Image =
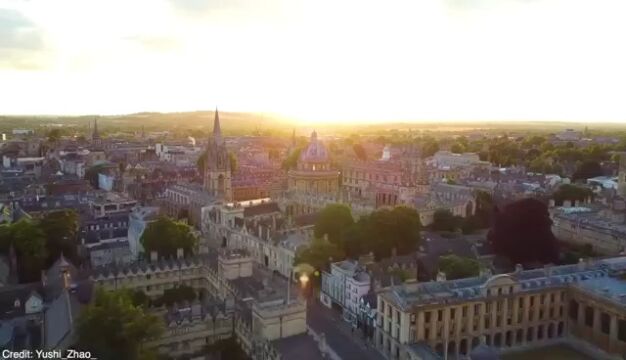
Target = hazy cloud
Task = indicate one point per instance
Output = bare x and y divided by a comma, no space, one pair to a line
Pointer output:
21,42
155,43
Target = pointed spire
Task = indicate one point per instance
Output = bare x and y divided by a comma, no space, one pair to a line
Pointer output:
293,137
217,131
95,135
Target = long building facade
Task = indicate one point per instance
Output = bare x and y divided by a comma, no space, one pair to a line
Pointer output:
508,312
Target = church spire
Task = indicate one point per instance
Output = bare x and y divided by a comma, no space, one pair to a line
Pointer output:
217,130
95,135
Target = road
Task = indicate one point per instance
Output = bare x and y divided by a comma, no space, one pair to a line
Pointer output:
339,336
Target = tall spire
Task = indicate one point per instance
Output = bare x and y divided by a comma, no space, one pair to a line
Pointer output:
217,131
95,135
293,137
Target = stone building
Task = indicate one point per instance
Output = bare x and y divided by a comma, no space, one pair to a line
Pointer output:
581,303
217,174
314,174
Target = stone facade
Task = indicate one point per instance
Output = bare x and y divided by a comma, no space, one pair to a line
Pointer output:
521,309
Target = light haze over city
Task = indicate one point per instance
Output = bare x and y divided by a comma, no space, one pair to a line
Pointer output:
340,61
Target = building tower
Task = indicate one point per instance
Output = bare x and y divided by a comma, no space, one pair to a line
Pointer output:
217,173
95,135
621,180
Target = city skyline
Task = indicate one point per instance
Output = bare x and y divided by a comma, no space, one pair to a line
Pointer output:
349,62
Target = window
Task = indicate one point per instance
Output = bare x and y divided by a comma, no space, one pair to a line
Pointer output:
589,316
573,309
605,323
440,315
621,330
427,316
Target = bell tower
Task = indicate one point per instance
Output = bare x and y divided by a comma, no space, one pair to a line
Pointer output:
217,173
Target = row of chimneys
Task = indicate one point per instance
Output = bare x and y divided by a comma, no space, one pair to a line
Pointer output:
154,256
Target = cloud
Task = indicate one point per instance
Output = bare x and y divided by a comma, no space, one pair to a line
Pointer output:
155,43
22,43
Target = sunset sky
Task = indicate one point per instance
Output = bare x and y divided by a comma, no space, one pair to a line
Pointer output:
346,60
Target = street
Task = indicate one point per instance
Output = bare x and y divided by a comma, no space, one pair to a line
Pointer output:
339,336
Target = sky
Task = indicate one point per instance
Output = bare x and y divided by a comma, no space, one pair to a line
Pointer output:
318,60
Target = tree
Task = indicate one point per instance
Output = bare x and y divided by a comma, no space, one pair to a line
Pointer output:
234,163
165,236
522,233
60,228
429,148
360,152
177,294
387,229
29,243
333,220
226,349
201,162
484,208
54,135
319,254
587,169
115,328
457,148
292,159
91,174
572,193
456,267
444,220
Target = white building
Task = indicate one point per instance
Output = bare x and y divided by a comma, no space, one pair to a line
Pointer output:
346,283
138,221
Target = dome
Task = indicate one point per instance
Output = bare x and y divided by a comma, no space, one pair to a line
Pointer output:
315,152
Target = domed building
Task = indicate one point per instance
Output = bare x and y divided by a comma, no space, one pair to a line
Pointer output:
313,173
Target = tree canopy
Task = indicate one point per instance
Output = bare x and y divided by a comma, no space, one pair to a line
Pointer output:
587,170
292,159
457,267
165,236
319,254
333,221
444,220
114,328
360,152
29,242
61,229
572,193
522,233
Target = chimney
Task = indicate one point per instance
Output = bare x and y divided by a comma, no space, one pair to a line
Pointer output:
547,269
551,203
154,256
180,253
581,264
441,276
518,268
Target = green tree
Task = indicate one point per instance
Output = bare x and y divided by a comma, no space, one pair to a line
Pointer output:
61,228
115,328
360,152
333,220
572,193
444,220
176,295
29,243
387,229
319,254
91,174
226,349
587,170
201,162
54,135
456,267
292,159
457,148
234,162
165,236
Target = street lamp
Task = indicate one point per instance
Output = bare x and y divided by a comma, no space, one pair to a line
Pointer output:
304,279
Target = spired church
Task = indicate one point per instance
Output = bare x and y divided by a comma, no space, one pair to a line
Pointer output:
217,172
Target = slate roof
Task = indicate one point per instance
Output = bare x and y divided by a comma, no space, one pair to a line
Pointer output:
261,209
